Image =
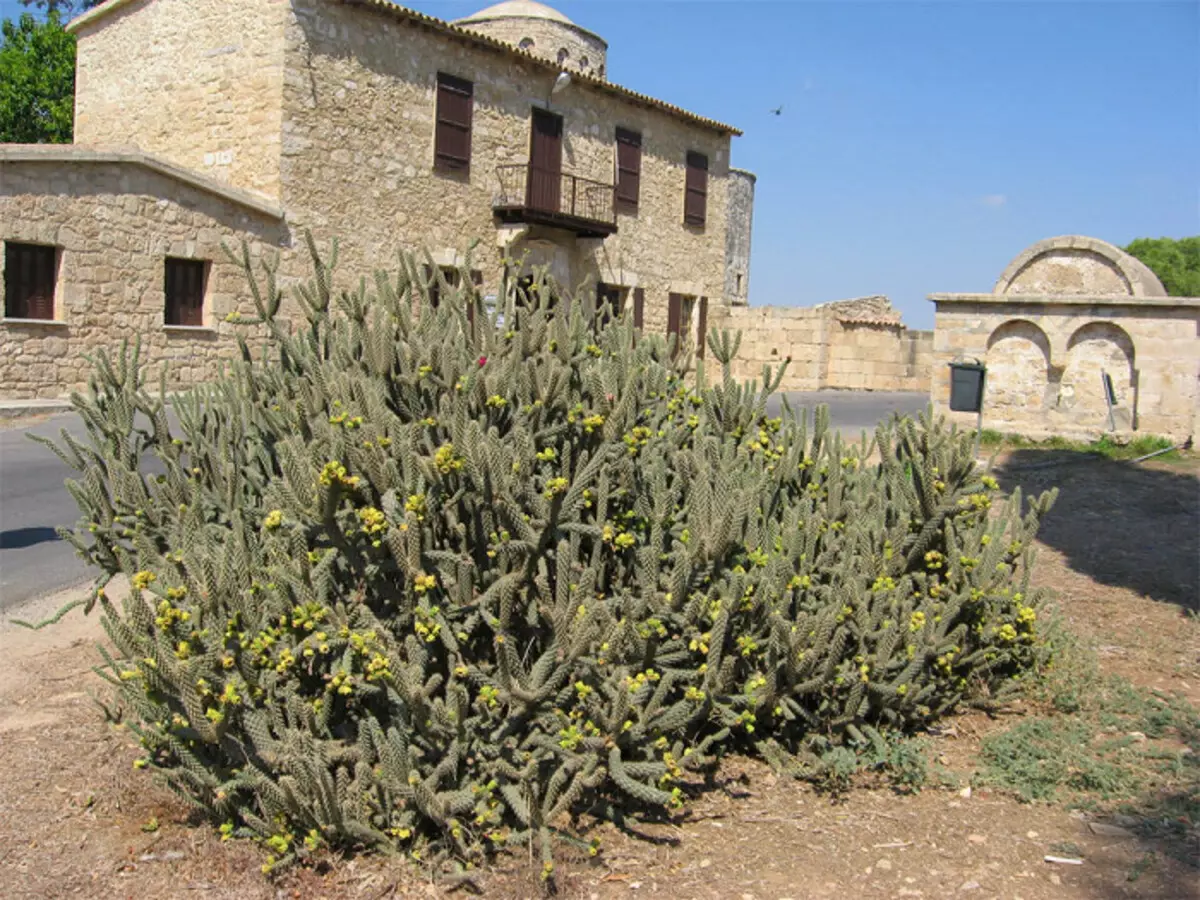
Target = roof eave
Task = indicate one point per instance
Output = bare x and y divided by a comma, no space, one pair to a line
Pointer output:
483,40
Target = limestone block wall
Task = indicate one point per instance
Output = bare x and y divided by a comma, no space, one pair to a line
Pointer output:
878,357
359,100
1045,354
196,81
114,224
770,334
829,352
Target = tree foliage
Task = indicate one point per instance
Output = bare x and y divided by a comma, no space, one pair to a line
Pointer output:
1175,262
37,81
438,578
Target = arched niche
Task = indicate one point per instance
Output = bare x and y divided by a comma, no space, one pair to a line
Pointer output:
1018,368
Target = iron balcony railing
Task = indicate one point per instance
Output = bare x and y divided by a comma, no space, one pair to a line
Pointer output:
530,194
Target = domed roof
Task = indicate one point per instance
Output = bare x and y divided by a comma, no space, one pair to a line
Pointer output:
516,9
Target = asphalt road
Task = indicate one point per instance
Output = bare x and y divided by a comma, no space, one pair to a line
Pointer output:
33,501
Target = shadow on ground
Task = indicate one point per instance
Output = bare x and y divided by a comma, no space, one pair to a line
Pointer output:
20,538
1123,524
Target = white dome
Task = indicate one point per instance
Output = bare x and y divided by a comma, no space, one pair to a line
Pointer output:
516,9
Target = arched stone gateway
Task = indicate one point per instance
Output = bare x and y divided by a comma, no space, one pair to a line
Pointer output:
1064,313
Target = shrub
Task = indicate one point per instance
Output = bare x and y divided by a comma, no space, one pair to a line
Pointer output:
436,578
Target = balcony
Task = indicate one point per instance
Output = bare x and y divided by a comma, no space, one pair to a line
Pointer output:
541,197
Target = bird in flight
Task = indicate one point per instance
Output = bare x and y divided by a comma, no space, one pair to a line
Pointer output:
778,110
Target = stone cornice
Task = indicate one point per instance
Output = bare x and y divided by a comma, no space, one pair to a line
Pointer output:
70,153
1121,300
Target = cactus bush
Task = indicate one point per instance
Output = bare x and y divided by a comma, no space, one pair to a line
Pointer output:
434,579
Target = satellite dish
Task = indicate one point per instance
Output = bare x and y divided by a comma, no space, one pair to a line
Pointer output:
563,79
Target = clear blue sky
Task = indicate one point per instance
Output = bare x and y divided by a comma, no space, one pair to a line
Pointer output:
923,145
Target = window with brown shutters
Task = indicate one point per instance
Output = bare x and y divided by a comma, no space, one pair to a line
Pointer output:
452,139
639,307
695,204
702,327
30,274
451,276
629,169
183,287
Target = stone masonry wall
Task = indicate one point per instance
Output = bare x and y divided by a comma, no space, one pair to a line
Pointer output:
359,100
114,225
876,357
828,353
196,81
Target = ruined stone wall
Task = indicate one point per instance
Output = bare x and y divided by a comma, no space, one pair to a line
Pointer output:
113,225
358,159
196,81
827,352
1045,355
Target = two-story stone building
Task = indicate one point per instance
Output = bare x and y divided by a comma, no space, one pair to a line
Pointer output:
199,122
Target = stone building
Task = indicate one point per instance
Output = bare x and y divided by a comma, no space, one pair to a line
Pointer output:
202,122
1065,313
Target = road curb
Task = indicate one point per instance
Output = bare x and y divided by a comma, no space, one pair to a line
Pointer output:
18,409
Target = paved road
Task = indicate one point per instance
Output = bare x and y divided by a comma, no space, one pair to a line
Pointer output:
33,501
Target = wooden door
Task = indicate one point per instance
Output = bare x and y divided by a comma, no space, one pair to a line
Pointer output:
544,185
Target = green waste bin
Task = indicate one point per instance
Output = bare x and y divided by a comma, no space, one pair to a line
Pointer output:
966,386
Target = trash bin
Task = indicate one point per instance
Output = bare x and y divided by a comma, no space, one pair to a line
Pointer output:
966,386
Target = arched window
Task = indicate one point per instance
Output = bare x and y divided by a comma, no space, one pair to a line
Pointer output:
526,43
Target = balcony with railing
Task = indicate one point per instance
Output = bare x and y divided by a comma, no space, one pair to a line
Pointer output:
558,199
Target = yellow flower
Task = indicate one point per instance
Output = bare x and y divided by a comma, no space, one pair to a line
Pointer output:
142,580
273,519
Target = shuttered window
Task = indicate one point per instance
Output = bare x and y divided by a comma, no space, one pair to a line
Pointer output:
639,307
702,327
30,273
183,287
629,169
674,320
695,204
452,140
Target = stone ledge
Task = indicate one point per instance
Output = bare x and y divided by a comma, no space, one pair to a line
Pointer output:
131,156
1068,300
34,323
191,330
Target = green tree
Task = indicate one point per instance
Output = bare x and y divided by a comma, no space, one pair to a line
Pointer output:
1175,262
37,81
65,8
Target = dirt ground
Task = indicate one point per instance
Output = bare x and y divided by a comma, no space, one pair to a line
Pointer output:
1122,552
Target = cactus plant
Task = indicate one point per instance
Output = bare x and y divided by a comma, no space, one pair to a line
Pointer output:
433,579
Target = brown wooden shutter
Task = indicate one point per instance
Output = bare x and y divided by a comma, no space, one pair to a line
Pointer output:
452,137
702,328
639,307
629,169
696,194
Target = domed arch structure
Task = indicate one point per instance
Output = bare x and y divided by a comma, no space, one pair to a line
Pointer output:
1074,264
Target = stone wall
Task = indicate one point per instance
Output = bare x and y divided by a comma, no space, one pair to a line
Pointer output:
114,224
198,82
359,101
1046,353
737,237
833,346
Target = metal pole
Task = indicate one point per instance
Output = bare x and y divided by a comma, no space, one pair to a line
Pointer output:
1106,386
